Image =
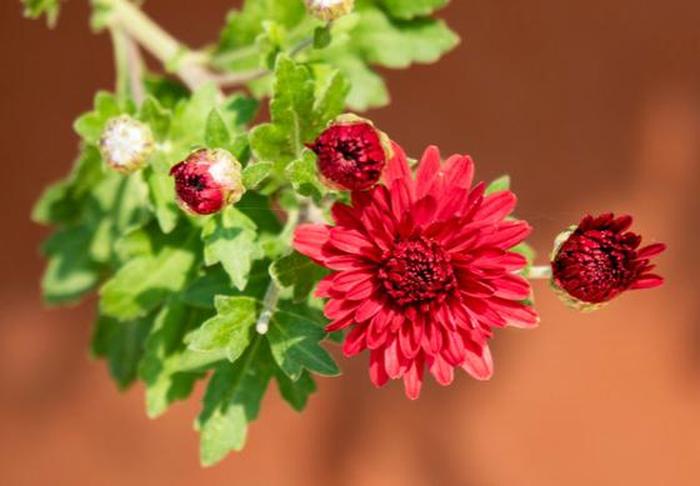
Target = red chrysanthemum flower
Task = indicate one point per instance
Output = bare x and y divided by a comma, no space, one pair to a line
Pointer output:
207,181
600,259
351,153
422,271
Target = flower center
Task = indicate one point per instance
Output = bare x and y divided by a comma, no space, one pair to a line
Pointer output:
417,271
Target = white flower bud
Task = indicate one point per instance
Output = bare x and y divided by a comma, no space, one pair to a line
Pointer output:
126,144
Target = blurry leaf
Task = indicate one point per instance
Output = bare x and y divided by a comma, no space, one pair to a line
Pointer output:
296,393
91,124
498,185
322,37
232,401
407,9
294,336
255,173
36,8
62,202
122,344
70,272
217,134
156,117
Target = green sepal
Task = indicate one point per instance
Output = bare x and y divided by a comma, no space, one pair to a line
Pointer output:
497,185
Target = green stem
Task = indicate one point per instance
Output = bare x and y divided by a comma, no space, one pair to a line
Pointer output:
121,63
539,272
163,46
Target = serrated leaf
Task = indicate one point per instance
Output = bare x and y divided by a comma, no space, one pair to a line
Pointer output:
298,272
63,201
122,344
161,367
296,393
215,281
70,272
232,401
91,124
156,117
146,281
303,175
216,134
229,239
190,119
229,331
500,184
255,173
294,336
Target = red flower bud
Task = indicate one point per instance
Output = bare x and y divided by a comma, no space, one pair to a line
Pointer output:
126,144
599,259
351,153
207,181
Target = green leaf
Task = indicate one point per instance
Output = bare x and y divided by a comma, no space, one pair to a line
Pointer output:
245,26
376,35
412,8
189,121
294,336
217,134
162,194
215,281
398,44
303,175
229,239
297,271
527,251
156,116
497,185
255,173
146,281
298,111
63,201
91,124
162,367
232,401
70,272
36,8
229,331
322,37
296,393
123,344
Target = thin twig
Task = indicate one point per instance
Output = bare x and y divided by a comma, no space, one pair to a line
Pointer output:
539,272
135,65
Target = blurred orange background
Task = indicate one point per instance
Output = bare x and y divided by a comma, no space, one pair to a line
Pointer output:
589,105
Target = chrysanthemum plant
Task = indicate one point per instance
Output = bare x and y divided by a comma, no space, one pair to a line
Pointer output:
228,250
